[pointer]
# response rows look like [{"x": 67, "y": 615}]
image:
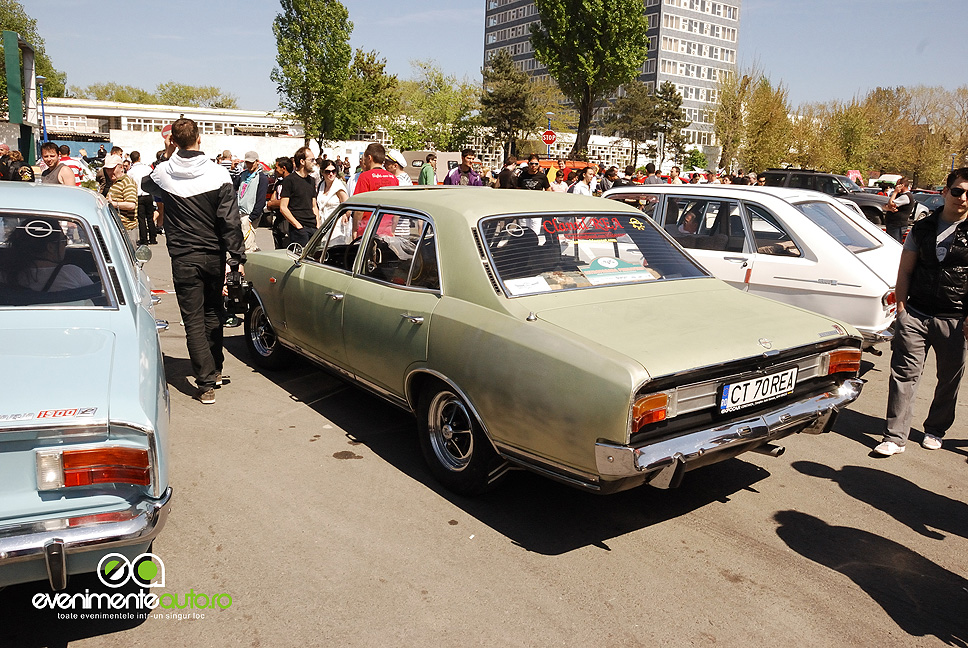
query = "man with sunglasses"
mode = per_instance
[
  {"x": 533, "y": 177},
  {"x": 932, "y": 296}
]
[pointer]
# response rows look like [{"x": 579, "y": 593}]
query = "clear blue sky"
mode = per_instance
[{"x": 820, "y": 49}]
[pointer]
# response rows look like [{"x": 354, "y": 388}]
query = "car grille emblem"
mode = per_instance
[{"x": 766, "y": 344}]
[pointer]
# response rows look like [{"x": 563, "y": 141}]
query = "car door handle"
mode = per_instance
[
  {"x": 414, "y": 319},
  {"x": 335, "y": 296},
  {"x": 740, "y": 260}
]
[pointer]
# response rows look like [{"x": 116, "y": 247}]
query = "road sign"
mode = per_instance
[{"x": 549, "y": 137}]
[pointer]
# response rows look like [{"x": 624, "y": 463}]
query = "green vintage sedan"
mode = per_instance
[{"x": 564, "y": 334}]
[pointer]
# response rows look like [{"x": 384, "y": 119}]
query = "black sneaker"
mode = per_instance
[{"x": 206, "y": 396}]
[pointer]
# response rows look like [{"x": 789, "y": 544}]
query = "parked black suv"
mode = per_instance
[{"x": 829, "y": 183}]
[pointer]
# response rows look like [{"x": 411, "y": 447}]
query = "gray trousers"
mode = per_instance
[{"x": 914, "y": 334}]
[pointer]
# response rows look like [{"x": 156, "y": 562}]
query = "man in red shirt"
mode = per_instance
[{"x": 373, "y": 177}]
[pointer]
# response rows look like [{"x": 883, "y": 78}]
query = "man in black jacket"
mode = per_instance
[
  {"x": 201, "y": 226},
  {"x": 932, "y": 296}
]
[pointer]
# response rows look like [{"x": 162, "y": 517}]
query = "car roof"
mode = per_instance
[
  {"x": 474, "y": 203},
  {"x": 738, "y": 192},
  {"x": 33, "y": 197}
]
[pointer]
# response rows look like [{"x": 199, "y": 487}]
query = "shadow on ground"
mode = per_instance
[
  {"x": 24, "y": 626},
  {"x": 920, "y": 596},
  {"x": 535, "y": 513}
]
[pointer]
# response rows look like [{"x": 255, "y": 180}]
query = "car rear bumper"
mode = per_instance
[
  {"x": 665, "y": 461},
  {"x": 59, "y": 541},
  {"x": 872, "y": 337}
]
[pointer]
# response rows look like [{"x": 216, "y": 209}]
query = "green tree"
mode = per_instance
[
  {"x": 368, "y": 97},
  {"x": 313, "y": 42},
  {"x": 591, "y": 48},
  {"x": 166, "y": 94},
  {"x": 14, "y": 18},
  {"x": 694, "y": 159},
  {"x": 670, "y": 122},
  {"x": 434, "y": 110},
  {"x": 729, "y": 123},
  {"x": 180, "y": 94},
  {"x": 633, "y": 116},
  {"x": 508, "y": 103},
  {"x": 767, "y": 127},
  {"x": 117, "y": 93}
]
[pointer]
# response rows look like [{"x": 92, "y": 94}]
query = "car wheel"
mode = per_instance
[
  {"x": 261, "y": 339},
  {"x": 453, "y": 444},
  {"x": 873, "y": 215}
]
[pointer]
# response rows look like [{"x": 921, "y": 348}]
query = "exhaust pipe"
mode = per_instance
[{"x": 769, "y": 449}]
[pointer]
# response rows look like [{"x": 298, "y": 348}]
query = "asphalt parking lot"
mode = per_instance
[{"x": 306, "y": 500}]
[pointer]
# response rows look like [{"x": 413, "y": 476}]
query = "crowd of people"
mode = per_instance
[{"x": 209, "y": 210}]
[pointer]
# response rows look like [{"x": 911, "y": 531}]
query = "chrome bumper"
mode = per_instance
[
  {"x": 876, "y": 337},
  {"x": 669, "y": 458},
  {"x": 52, "y": 540}
]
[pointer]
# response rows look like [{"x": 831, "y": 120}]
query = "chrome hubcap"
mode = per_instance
[
  {"x": 451, "y": 431},
  {"x": 262, "y": 336}
]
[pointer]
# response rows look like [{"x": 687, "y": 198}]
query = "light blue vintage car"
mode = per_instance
[{"x": 83, "y": 400}]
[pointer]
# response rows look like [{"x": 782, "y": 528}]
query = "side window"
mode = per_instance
[
  {"x": 801, "y": 181},
  {"x": 334, "y": 247},
  {"x": 48, "y": 261},
  {"x": 768, "y": 233},
  {"x": 828, "y": 185},
  {"x": 705, "y": 224},
  {"x": 402, "y": 251}
]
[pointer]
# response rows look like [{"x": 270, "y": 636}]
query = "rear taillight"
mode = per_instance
[
  {"x": 649, "y": 409},
  {"x": 843, "y": 360},
  {"x": 889, "y": 301},
  {"x": 72, "y": 468}
]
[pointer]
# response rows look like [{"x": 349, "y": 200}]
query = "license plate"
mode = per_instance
[{"x": 757, "y": 390}]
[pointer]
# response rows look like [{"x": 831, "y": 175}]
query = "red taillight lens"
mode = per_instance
[
  {"x": 106, "y": 466},
  {"x": 649, "y": 409},
  {"x": 889, "y": 300},
  {"x": 844, "y": 360}
]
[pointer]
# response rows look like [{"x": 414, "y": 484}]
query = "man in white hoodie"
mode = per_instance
[{"x": 201, "y": 226}]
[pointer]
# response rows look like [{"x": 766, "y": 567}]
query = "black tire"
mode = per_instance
[
  {"x": 261, "y": 339},
  {"x": 874, "y": 215},
  {"x": 456, "y": 450}
]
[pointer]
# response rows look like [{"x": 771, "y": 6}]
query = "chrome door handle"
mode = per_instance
[
  {"x": 335, "y": 296},
  {"x": 742, "y": 260},
  {"x": 414, "y": 319}
]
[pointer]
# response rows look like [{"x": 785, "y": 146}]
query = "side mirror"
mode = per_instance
[
  {"x": 294, "y": 251},
  {"x": 142, "y": 255}
]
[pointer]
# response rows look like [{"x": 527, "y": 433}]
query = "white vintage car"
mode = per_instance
[{"x": 797, "y": 246}]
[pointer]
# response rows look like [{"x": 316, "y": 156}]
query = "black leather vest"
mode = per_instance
[
  {"x": 939, "y": 288},
  {"x": 904, "y": 214}
]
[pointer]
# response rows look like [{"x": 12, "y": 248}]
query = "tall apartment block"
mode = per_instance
[{"x": 691, "y": 43}]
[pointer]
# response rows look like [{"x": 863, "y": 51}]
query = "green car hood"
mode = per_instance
[
  {"x": 672, "y": 331},
  {"x": 56, "y": 376}
]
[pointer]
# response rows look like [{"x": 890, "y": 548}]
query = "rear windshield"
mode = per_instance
[
  {"x": 548, "y": 253},
  {"x": 838, "y": 225},
  {"x": 47, "y": 262}
]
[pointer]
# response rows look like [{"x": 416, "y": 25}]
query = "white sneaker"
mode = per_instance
[
  {"x": 888, "y": 448},
  {"x": 931, "y": 442}
]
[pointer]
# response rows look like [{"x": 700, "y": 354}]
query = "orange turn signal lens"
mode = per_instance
[
  {"x": 649, "y": 409},
  {"x": 844, "y": 360},
  {"x": 106, "y": 466}
]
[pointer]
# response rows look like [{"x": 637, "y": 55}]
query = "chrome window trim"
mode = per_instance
[
  {"x": 368, "y": 235},
  {"x": 102, "y": 265}
]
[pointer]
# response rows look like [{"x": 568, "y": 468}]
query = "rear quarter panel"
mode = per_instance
[{"x": 535, "y": 387}]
